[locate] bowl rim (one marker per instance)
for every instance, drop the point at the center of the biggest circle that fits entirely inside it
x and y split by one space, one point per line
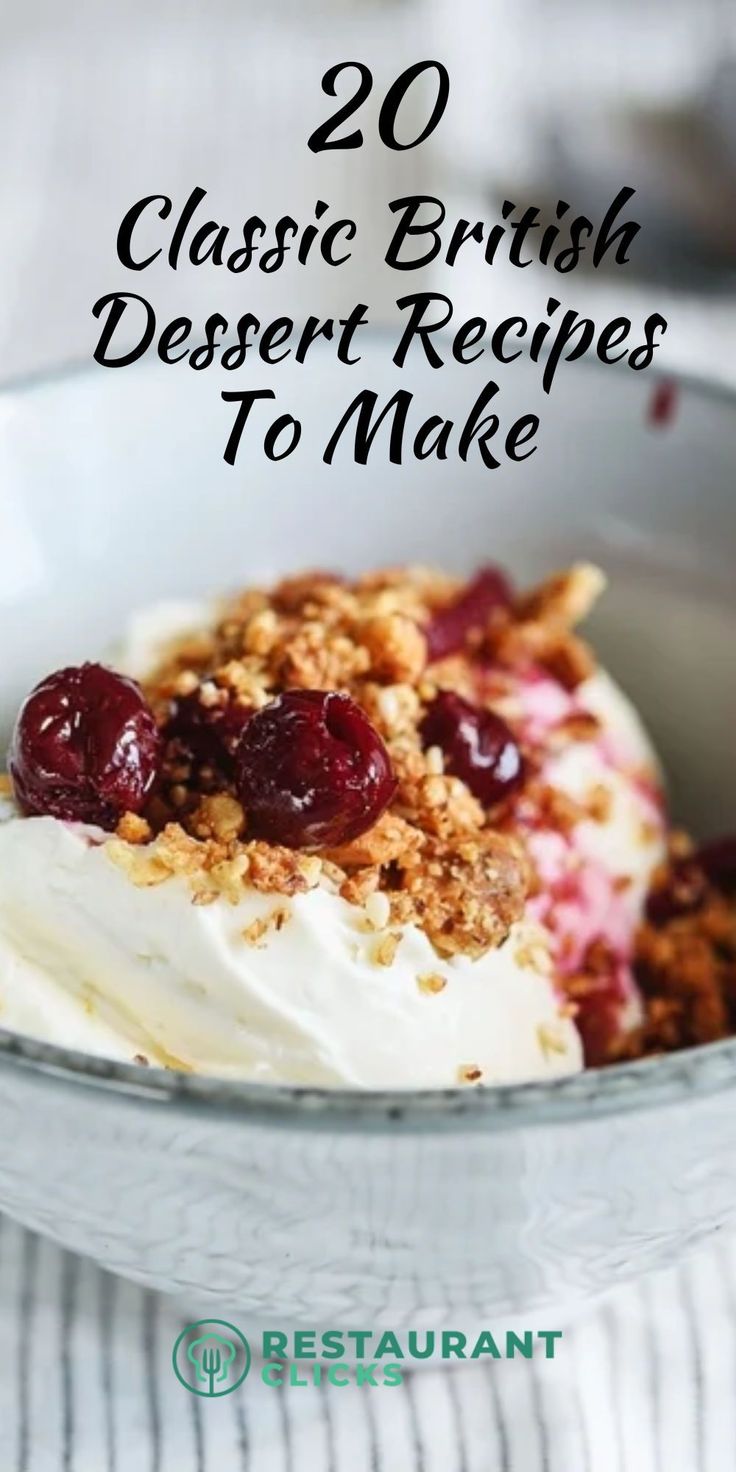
646 1083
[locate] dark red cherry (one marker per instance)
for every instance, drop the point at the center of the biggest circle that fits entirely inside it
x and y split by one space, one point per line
478 747
685 888
449 627
311 772
207 735
682 892
85 747
717 859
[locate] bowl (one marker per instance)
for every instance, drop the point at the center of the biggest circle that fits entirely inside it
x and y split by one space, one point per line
300 1206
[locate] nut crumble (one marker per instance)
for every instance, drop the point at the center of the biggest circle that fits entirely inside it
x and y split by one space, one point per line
444 862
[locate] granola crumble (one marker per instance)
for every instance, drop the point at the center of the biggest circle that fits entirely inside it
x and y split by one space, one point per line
431 983
213 868
550 1040
469 1073
686 969
384 951
258 929
132 828
436 857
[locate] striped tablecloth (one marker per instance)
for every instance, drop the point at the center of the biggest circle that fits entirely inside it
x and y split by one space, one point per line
645 1383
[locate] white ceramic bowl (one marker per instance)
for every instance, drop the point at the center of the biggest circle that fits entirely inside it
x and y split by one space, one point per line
295 1205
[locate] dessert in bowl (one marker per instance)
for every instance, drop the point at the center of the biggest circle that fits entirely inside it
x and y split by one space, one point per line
446 1187
394 832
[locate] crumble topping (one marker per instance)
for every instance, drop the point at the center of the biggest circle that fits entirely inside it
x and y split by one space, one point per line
219 816
550 1040
431 983
132 828
565 599
529 641
465 895
357 888
469 1073
257 931
533 953
396 646
385 949
685 958
214 868
436 857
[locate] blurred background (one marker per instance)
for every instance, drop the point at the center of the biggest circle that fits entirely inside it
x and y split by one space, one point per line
105 102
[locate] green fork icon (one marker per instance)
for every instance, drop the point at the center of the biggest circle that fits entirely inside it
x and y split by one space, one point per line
212 1365
212 1356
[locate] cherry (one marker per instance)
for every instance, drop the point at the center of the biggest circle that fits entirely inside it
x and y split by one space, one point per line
449 627
207 734
685 888
477 745
717 859
85 747
311 771
682 893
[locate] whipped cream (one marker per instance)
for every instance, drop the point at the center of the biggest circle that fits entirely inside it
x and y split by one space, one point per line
89 959
596 876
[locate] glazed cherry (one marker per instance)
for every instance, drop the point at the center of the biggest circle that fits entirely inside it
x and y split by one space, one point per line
311 772
207 735
449 628
85 747
477 745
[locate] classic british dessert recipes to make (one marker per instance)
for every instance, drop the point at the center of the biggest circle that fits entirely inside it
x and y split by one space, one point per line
400 832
